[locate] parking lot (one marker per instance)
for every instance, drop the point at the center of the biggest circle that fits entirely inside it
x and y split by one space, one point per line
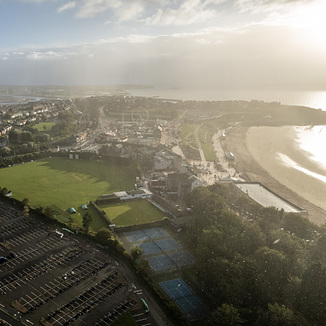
50 276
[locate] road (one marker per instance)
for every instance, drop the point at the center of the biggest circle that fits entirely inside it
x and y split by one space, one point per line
155 310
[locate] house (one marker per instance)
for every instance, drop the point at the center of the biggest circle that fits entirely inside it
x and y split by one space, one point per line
195 182
122 195
167 160
134 194
158 180
180 184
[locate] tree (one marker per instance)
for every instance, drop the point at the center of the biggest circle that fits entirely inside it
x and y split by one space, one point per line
136 252
25 201
319 253
5 151
4 191
13 136
272 274
87 220
299 225
25 137
26 211
280 315
144 266
49 212
104 235
226 315
312 296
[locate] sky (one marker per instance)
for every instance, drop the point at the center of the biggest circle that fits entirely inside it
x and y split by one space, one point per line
225 44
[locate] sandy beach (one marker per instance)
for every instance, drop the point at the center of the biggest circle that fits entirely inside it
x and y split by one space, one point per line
257 153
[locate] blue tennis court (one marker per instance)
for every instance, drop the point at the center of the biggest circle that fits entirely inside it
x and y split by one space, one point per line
168 244
161 262
150 248
156 233
136 236
184 297
181 258
144 235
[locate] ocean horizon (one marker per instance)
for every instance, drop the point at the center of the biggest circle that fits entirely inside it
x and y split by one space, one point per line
313 99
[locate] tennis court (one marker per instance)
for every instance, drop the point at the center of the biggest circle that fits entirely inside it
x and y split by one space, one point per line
185 298
181 258
168 244
161 262
150 248
156 233
145 235
170 260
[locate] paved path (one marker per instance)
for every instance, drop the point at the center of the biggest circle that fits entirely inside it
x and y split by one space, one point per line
201 152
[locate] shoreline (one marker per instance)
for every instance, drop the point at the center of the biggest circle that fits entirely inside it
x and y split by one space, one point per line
255 149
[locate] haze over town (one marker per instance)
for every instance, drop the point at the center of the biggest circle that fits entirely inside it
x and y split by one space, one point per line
214 43
161 162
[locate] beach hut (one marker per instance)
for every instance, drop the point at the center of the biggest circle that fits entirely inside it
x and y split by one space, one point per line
84 206
71 210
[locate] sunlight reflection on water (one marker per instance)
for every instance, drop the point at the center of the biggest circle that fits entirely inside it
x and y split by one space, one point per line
289 162
313 140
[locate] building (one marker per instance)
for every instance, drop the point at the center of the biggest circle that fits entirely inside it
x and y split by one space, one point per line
134 194
166 160
180 184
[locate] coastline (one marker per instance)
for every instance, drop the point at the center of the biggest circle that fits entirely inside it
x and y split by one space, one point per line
255 150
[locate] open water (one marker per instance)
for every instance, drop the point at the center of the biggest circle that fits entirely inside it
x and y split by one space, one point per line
313 99
312 141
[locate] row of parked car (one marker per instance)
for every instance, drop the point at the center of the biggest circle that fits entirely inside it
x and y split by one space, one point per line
10 256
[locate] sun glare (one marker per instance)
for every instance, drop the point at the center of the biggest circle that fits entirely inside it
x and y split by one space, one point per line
312 20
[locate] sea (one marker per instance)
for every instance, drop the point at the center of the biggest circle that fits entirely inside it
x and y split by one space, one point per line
311 140
313 99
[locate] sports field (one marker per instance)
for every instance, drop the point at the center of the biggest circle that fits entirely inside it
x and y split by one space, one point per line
44 126
133 212
66 183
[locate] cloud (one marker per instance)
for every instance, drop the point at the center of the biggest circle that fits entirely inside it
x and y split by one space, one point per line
42 55
189 12
257 6
155 12
254 56
69 5
91 8
37 1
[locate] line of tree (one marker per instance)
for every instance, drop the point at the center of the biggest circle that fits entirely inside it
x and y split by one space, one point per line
270 270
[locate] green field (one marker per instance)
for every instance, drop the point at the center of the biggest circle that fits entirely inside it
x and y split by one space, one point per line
63 183
186 130
132 212
44 126
205 135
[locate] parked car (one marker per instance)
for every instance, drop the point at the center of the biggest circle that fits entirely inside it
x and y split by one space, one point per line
2 259
12 255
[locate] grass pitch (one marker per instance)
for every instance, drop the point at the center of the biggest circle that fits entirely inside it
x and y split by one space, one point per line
44 126
65 183
132 213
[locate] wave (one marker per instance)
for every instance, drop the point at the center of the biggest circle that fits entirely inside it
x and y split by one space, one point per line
290 163
312 140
